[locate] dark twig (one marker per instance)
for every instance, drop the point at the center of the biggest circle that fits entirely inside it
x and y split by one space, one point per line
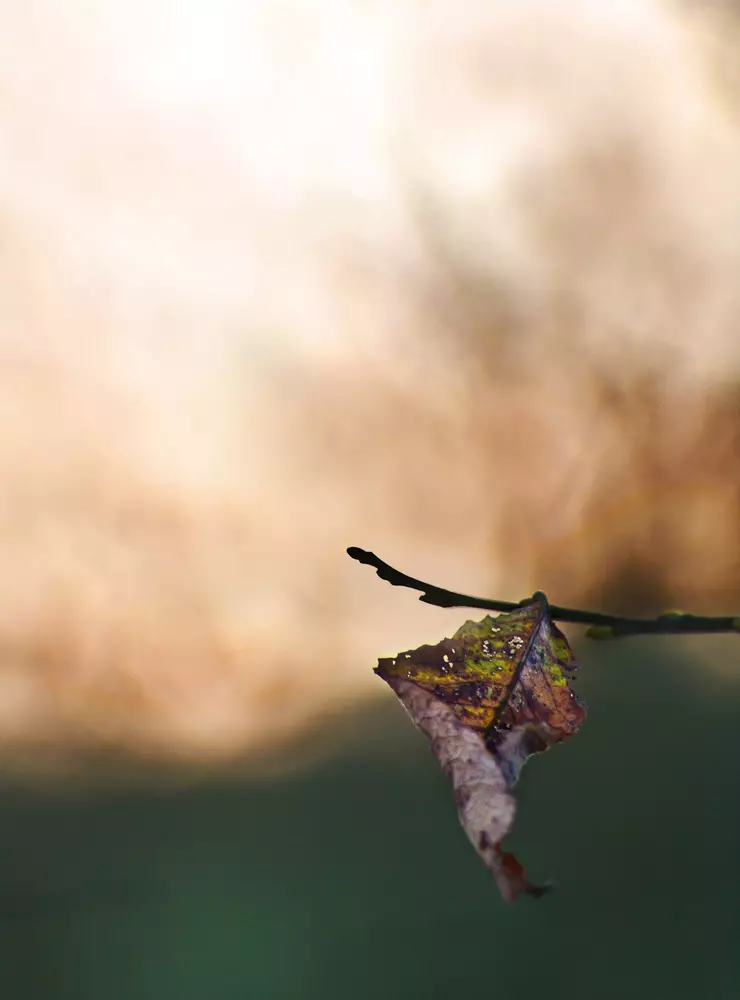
600 626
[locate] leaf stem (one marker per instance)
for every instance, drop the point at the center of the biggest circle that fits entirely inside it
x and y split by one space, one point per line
602 626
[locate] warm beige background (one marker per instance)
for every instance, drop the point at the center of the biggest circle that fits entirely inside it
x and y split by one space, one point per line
454 282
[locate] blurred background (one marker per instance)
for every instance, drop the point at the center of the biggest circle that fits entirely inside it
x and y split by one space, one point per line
455 283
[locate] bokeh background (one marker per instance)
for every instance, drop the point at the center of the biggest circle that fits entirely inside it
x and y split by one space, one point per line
459 284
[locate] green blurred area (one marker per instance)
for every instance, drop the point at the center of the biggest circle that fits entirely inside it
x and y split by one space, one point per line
353 880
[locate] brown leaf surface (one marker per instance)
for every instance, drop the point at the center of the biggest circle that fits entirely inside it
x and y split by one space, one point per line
486 699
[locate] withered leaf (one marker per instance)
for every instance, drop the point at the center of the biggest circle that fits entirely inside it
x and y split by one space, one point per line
496 692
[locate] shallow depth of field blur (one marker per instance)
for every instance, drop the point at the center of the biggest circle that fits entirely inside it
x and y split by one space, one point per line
457 283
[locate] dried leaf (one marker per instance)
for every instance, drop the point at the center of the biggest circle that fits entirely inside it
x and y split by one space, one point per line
487 698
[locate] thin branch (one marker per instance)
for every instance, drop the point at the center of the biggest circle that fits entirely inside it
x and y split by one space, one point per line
601 626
